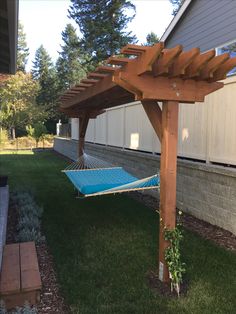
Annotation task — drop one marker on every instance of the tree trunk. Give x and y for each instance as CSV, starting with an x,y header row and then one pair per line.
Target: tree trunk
x,y
13,133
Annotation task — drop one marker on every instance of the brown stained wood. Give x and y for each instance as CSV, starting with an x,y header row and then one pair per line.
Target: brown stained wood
x,y
78,89
75,113
164,88
199,63
183,61
83,124
118,61
72,92
103,85
168,171
222,71
131,88
131,47
208,71
30,276
154,114
131,52
106,69
14,300
168,56
10,272
83,85
148,58
96,75
167,81
89,81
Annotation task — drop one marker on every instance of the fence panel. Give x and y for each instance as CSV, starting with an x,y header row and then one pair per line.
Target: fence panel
x,y
207,131
222,124
101,129
115,127
90,131
75,129
138,131
192,138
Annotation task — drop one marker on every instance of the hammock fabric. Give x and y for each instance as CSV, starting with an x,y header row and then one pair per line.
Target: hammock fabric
x,y
100,181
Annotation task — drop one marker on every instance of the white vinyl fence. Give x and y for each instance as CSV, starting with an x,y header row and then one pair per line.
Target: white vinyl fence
x,y
207,131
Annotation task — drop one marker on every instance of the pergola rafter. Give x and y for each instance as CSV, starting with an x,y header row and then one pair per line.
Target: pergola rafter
x,y
151,74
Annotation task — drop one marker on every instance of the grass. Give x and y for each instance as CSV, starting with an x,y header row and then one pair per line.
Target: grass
x,y
104,247
16,152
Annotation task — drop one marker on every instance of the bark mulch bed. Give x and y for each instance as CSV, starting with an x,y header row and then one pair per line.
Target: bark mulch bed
x,y
51,300
208,231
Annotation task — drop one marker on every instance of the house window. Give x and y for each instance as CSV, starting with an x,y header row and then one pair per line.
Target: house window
x,y
231,49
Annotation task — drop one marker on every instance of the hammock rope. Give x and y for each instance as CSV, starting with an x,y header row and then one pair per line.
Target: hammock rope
x,y
92,177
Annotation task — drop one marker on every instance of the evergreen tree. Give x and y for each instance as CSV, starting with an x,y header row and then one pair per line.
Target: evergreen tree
x,y
102,24
22,49
44,72
176,5
69,64
152,39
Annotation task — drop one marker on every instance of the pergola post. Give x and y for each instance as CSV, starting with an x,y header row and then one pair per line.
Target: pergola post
x,y
83,124
168,170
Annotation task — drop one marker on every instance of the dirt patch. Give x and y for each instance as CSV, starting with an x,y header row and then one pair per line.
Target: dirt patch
x,y
208,231
164,289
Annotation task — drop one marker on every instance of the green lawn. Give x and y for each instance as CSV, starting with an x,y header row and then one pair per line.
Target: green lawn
x,y
103,248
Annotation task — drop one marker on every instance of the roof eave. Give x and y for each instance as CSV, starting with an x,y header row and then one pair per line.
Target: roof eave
x,y
175,20
13,9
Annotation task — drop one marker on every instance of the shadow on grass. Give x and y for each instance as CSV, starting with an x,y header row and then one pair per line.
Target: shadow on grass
x,y
104,247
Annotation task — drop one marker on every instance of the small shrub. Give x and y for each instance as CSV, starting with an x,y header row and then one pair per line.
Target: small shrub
x,y
30,234
26,309
2,308
3,138
29,222
30,209
173,257
29,218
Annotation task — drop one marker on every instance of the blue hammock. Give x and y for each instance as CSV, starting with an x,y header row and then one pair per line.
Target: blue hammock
x,y
106,181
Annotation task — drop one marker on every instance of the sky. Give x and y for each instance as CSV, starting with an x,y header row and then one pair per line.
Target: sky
x,y
44,20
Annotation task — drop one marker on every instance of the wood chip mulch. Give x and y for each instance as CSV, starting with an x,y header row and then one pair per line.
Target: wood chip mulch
x,y
51,300
206,230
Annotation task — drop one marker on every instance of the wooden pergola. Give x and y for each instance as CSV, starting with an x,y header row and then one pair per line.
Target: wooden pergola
x,y
151,74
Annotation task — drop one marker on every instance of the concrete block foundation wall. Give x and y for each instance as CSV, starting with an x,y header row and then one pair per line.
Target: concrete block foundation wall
x,y
204,190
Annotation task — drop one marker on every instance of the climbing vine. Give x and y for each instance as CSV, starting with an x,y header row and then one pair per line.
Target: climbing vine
x,y
173,257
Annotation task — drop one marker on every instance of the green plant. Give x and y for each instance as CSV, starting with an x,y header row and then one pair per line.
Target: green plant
x,y
30,209
29,217
30,234
26,309
39,132
28,222
2,307
29,130
3,137
173,257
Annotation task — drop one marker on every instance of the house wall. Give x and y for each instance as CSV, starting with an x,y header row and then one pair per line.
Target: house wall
x,y
4,201
205,24
205,191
